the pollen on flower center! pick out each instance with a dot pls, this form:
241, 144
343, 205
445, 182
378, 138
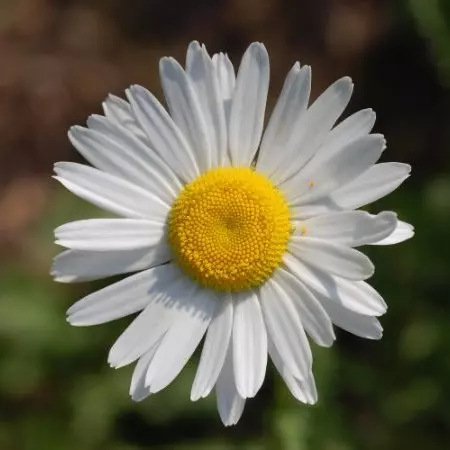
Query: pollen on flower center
229, 229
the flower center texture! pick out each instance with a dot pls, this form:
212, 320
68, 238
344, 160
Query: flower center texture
229, 229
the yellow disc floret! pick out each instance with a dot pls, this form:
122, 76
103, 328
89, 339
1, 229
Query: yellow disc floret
229, 229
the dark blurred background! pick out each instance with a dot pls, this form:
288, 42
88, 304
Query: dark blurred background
58, 60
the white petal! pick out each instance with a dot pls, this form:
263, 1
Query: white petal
225, 75
313, 129
227, 80
375, 183
364, 326
402, 232
184, 107
110, 234
249, 105
109, 155
163, 134
249, 344
303, 390
166, 299
321, 177
122, 298
333, 258
205, 83
318, 207
109, 192
314, 318
181, 339
114, 149
119, 111
73, 266
138, 390
353, 228
353, 127
357, 296
214, 349
285, 329
289, 109
229, 403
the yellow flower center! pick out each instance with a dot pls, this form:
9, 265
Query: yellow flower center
229, 229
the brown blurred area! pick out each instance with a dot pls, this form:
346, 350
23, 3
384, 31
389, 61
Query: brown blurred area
60, 58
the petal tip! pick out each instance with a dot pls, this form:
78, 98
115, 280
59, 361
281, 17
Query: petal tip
259, 49
194, 43
70, 319
347, 80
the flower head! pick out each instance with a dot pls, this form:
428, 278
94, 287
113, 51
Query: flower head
242, 237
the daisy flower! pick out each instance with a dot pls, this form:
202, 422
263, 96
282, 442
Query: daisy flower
242, 237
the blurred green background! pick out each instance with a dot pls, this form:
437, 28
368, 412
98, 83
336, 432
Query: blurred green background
58, 60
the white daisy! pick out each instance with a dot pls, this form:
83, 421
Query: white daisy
244, 237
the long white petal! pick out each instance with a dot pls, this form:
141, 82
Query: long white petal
357, 296
110, 234
353, 228
138, 390
249, 105
109, 192
74, 266
320, 178
225, 74
163, 134
318, 207
166, 300
181, 339
122, 298
334, 258
367, 327
375, 183
185, 109
204, 80
402, 232
119, 111
290, 108
313, 128
116, 150
303, 390
249, 344
285, 329
227, 80
314, 318
353, 127
214, 349
229, 403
